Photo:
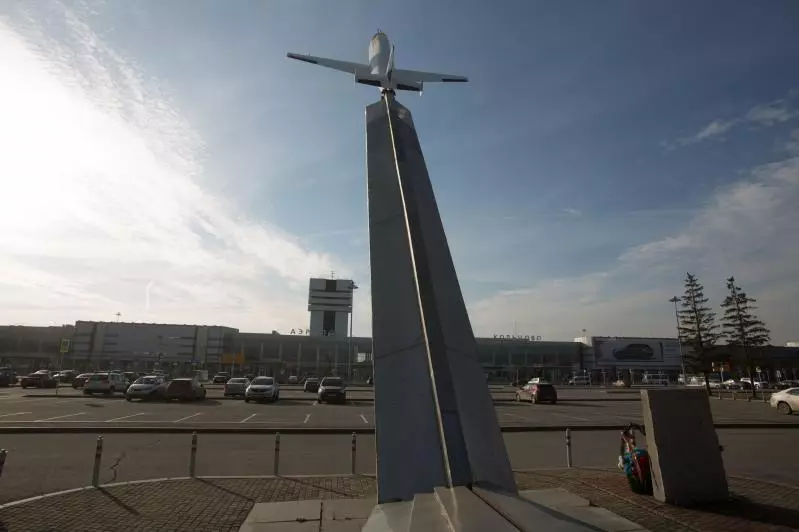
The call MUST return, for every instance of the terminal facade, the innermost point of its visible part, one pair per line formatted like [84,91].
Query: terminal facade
[184,348]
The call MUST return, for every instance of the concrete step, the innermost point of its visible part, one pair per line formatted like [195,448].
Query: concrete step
[580,509]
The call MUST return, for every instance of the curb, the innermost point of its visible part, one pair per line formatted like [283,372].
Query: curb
[189,429]
[313,398]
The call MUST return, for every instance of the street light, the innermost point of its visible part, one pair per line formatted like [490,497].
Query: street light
[675,300]
[353,288]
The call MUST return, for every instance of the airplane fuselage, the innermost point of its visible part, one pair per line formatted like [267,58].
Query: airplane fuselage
[379,54]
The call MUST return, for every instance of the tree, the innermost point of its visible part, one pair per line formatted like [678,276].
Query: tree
[740,326]
[697,326]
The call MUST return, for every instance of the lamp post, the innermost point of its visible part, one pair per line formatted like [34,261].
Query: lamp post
[675,300]
[353,288]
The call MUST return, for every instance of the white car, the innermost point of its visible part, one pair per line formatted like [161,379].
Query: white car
[262,388]
[105,383]
[757,384]
[785,401]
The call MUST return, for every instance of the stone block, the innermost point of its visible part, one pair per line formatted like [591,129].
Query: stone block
[687,467]
[346,509]
[554,498]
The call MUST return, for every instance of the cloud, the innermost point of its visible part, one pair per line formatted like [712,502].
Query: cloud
[102,202]
[746,229]
[764,115]
[573,212]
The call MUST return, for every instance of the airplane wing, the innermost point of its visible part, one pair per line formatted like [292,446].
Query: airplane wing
[426,77]
[358,69]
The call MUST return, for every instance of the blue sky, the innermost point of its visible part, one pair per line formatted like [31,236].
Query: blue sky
[168,162]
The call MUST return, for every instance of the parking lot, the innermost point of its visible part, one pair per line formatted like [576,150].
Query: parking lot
[297,409]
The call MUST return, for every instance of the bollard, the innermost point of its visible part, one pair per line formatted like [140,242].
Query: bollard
[764,396]
[720,398]
[98,457]
[352,458]
[277,453]
[193,457]
[733,396]
[3,454]
[568,447]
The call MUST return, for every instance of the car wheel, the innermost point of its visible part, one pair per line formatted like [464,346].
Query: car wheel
[554,401]
[246,399]
[86,392]
[534,399]
[784,408]
[110,391]
[277,397]
[127,398]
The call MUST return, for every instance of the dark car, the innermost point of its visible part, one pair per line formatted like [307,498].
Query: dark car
[332,390]
[8,377]
[187,389]
[66,375]
[80,380]
[41,379]
[634,352]
[784,385]
[542,392]
[311,385]
[221,378]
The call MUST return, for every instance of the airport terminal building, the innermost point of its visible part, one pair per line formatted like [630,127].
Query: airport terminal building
[327,348]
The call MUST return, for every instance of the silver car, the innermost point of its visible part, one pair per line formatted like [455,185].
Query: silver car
[262,388]
[785,401]
[149,387]
[236,387]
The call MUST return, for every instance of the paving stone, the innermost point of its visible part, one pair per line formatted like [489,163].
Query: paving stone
[552,498]
[346,509]
[287,511]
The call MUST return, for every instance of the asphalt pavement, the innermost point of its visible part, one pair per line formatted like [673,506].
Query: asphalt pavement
[297,410]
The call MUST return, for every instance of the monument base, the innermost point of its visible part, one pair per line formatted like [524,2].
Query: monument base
[687,467]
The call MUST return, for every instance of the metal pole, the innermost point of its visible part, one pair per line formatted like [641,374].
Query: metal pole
[4,453]
[193,458]
[352,459]
[98,458]
[277,454]
[568,447]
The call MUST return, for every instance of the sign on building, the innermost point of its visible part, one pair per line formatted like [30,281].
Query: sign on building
[64,345]
[636,352]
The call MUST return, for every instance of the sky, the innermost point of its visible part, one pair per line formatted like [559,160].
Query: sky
[165,161]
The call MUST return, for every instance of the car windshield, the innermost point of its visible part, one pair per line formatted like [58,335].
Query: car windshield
[331,382]
[147,380]
[238,381]
[264,380]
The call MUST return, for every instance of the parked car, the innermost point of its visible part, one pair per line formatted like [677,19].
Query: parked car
[784,385]
[758,384]
[40,379]
[580,380]
[80,380]
[262,388]
[311,385]
[221,378]
[332,389]
[657,379]
[236,387]
[785,401]
[66,375]
[185,389]
[540,392]
[131,376]
[293,379]
[148,387]
[7,377]
[107,383]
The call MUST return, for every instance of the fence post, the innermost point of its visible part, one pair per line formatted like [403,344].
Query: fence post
[568,447]
[98,458]
[193,457]
[3,454]
[352,458]
[277,454]
[764,396]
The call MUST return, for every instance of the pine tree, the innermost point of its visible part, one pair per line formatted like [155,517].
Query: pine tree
[740,326]
[697,326]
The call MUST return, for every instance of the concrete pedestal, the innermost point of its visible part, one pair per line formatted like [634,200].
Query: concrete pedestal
[687,467]
[435,420]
